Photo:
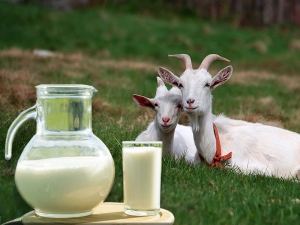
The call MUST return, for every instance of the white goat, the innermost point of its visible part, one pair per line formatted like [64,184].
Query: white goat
[254,147]
[177,139]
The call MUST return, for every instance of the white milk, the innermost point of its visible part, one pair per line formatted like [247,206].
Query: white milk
[142,176]
[66,184]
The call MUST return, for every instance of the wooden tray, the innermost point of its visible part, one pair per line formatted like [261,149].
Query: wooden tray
[106,213]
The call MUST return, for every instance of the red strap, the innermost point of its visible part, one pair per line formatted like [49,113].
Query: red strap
[218,159]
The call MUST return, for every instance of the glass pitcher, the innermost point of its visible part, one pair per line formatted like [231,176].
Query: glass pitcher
[65,170]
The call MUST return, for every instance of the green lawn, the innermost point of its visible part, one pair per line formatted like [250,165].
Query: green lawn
[118,53]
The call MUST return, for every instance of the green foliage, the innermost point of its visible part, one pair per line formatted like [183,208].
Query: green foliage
[194,194]
[123,35]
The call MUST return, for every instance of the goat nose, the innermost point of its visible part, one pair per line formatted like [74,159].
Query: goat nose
[165,119]
[190,101]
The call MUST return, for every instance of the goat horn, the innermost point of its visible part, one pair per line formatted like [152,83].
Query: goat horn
[186,59]
[209,59]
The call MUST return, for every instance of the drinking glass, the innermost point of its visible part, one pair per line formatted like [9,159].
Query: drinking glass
[142,177]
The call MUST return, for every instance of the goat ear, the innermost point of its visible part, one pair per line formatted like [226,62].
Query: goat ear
[143,101]
[168,76]
[221,77]
[160,82]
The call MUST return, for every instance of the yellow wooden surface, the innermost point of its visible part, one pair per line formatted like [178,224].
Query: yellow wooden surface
[106,213]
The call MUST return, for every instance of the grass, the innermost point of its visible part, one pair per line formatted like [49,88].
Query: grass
[118,53]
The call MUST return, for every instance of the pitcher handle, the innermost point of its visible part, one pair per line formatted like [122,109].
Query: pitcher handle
[24,116]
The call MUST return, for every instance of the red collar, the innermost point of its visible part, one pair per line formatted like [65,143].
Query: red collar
[218,159]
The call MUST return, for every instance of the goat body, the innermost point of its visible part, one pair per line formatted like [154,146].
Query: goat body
[259,148]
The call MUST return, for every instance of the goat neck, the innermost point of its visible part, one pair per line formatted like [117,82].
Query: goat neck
[165,137]
[204,136]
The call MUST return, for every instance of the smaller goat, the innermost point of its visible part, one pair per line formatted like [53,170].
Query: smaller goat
[177,139]
[252,147]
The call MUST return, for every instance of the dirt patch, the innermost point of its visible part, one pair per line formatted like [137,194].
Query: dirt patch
[98,105]
[15,53]
[291,83]
[263,110]
[144,117]
[260,46]
[256,77]
[78,58]
[16,88]
[257,118]
[250,77]
[23,70]
[128,65]
[39,54]
[266,100]
[294,45]
[294,121]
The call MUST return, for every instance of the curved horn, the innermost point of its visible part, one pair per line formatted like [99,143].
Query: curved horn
[209,59]
[186,59]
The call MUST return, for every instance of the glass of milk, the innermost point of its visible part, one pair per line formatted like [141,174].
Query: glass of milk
[142,177]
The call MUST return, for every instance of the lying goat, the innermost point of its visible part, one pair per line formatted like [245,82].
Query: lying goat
[252,147]
[177,139]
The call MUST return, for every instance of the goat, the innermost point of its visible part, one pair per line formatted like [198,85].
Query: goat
[250,147]
[177,139]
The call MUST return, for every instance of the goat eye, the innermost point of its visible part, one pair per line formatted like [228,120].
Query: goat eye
[207,85]
[180,85]
[156,105]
